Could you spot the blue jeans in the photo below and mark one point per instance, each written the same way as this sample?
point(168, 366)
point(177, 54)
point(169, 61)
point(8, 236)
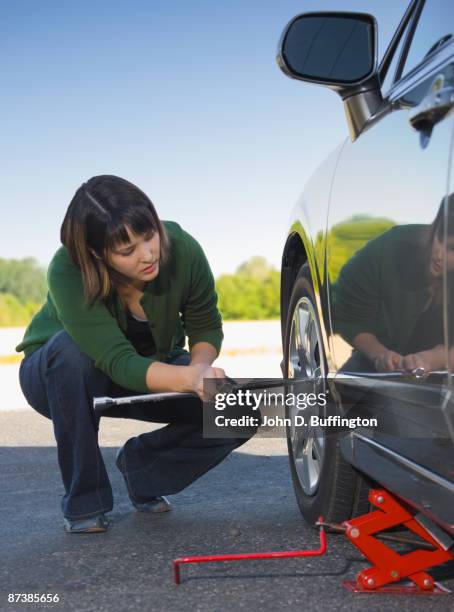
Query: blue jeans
point(59, 381)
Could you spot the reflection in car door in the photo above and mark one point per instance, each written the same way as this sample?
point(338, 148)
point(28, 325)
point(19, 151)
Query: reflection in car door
point(387, 283)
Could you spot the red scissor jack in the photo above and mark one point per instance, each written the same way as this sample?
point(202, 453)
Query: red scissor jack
point(390, 567)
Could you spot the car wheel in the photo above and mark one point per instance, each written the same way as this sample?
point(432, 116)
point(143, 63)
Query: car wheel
point(325, 484)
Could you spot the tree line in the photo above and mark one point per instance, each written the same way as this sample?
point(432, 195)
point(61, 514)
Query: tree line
point(251, 293)
point(23, 289)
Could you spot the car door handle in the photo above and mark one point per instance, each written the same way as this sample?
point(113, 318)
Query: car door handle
point(434, 107)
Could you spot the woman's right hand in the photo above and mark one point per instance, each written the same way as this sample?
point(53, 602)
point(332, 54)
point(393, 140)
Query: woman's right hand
point(384, 360)
point(197, 373)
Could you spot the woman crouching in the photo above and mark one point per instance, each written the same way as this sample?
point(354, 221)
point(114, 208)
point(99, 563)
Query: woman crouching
point(125, 290)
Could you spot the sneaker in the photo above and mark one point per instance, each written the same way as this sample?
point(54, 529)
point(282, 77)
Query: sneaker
point(92, 524)
point(154, 504)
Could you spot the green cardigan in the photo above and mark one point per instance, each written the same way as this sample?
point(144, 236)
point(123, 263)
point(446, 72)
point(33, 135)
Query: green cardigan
point(382, 289)
point(180, 301)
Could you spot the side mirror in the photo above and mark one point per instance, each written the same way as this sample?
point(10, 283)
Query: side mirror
point(330, 48)
point(338, 50)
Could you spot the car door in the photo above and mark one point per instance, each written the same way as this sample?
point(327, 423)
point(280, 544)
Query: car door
point(385, 282)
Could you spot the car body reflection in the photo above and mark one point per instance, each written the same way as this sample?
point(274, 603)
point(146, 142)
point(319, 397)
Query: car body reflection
point(368, 267)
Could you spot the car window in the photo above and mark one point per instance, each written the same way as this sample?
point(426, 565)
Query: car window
point(435, 28)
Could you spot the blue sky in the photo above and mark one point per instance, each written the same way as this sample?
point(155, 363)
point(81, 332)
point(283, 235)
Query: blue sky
point(182, 98)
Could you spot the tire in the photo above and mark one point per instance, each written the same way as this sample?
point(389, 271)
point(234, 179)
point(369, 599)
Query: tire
point(324, 483)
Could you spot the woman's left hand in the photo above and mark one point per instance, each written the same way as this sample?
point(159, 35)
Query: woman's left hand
point(430, 360)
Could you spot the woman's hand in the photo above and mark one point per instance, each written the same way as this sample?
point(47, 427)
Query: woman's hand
point(388, 361)
point(199, 371)
point(384, 359)
point(430, 360)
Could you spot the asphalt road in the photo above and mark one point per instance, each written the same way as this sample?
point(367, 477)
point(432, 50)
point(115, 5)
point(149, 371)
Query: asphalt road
point(246, 504)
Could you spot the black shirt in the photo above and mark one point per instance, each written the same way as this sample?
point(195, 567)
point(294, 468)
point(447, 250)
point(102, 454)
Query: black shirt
point(139, 334)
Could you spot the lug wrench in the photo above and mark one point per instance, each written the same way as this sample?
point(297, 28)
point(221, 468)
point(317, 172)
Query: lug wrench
point(229, 386)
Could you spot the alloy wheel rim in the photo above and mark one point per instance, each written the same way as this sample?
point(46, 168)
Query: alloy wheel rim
point(306, 361)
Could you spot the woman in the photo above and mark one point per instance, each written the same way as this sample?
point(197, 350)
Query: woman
point(124, 291)
point(388, 300)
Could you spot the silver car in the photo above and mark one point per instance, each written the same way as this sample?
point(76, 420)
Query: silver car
point(368, 265)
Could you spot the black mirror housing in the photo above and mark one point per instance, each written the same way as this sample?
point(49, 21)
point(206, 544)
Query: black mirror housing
point(337, 49)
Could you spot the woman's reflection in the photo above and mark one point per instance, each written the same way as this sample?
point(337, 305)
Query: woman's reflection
point(388, 300)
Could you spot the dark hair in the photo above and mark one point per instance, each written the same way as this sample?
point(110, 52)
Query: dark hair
point(442, 227)
point(443, 224)
point(96, 221)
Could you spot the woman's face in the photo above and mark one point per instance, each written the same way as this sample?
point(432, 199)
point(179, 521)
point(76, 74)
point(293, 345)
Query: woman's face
point(440, 254)
point(139, 258)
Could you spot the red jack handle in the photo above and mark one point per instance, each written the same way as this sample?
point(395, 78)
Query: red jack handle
point(260, 555)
